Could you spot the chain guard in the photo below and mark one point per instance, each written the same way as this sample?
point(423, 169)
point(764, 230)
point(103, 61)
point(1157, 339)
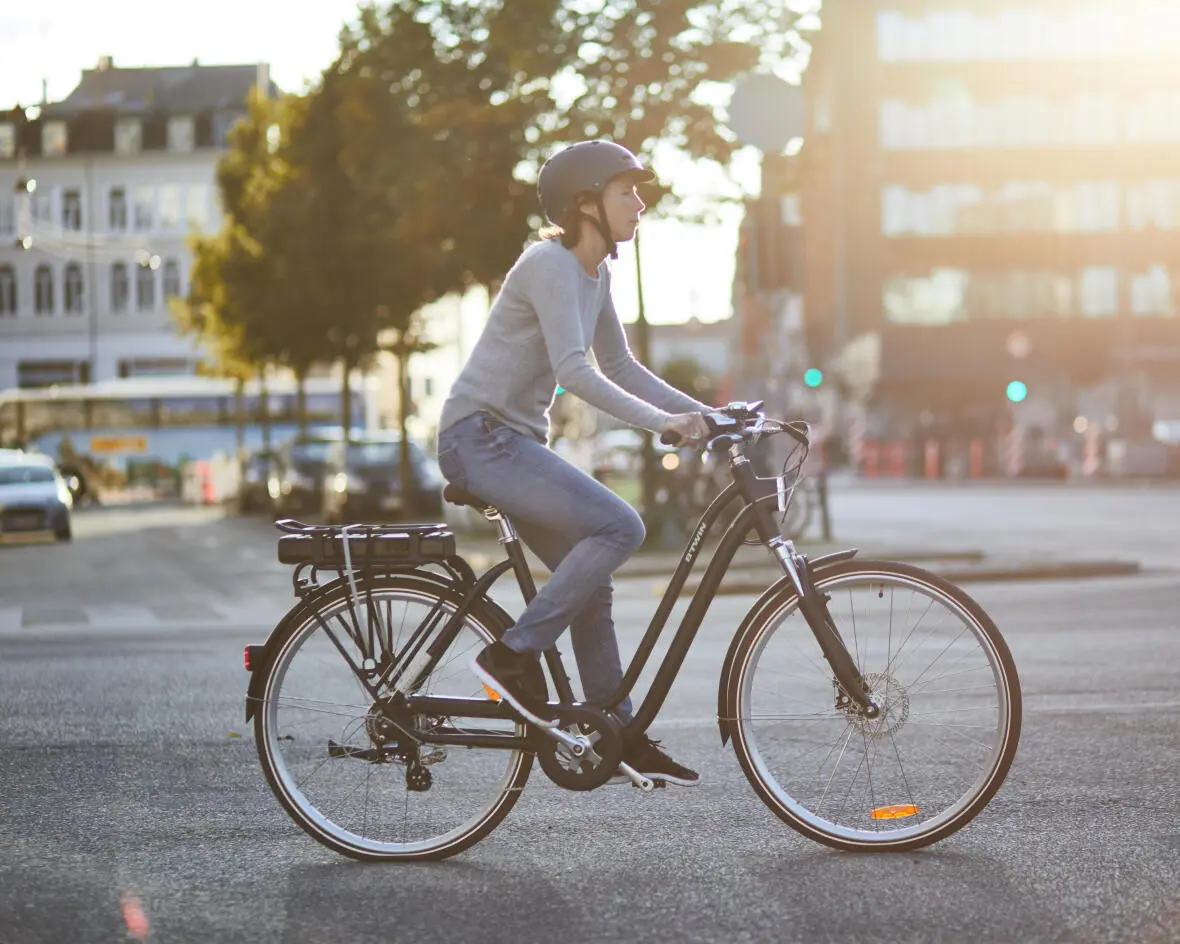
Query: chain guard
point(598, 764)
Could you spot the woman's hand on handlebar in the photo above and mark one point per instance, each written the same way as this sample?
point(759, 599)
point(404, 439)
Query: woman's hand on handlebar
point(685, 429)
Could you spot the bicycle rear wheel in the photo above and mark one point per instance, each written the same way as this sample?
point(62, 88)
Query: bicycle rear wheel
point(950, 710)
point(327, 759)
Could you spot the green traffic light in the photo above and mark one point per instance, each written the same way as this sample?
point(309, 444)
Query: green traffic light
point(1017, 391)
point(813, 377)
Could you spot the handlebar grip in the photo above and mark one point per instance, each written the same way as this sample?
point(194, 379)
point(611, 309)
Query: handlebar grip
point(670, 439)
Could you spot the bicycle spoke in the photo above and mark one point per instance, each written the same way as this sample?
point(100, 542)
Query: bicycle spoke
point(915, 766)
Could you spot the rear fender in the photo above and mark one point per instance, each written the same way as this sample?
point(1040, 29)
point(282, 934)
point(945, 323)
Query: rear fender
point(775, 595)
point(495, 617)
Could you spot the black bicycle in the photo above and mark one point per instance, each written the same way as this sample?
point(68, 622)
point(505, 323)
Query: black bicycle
point(872, 705)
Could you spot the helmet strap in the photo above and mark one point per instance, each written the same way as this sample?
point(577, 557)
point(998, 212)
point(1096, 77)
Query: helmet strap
point(612, 247)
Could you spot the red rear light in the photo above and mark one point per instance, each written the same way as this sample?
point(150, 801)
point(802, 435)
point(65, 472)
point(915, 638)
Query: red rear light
point(252, 657)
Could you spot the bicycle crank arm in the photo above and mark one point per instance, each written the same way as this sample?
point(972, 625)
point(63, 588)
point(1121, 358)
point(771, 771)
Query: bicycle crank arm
point(578, 746)
point(643, 783)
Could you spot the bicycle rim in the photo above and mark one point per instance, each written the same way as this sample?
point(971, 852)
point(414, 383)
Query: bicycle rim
point(316, 723)
point(948, 727)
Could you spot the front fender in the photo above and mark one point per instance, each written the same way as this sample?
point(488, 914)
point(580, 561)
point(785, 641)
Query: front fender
point(726, 689)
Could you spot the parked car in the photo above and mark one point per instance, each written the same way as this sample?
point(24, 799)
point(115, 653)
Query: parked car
point(300, 467)
point(363, 481)
point(259, 487)
point(34, 497)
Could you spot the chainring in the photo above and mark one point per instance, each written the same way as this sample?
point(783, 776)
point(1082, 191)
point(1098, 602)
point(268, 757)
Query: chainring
point(600, 762)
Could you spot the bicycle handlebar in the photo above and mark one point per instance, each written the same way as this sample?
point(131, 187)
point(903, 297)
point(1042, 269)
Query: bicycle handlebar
point(741, 422)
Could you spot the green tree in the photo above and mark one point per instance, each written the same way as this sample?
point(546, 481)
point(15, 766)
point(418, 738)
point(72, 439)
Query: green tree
point(416, 131)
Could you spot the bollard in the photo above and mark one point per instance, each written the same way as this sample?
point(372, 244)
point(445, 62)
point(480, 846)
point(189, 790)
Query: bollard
point(821, 496)
point(930, 457)
point(975, 470)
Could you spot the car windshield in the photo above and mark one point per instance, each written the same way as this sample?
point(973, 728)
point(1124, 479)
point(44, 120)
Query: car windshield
point(311, 451)
point(361, 455)
point(22, 474)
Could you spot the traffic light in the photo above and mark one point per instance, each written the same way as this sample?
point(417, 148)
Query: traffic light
point(1017, 391)
point(813, 377)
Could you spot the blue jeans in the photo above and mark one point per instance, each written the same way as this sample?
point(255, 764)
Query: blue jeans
point(581, 531)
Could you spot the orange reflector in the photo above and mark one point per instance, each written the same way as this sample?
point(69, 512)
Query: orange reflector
point(492, 693)
point(899, 811)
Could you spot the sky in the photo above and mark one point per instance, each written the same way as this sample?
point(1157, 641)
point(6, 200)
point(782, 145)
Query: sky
point(687, 269)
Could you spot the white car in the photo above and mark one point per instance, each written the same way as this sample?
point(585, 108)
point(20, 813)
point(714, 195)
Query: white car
point(34, 498)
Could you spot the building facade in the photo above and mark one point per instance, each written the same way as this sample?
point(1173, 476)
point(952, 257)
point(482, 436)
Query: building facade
point(991, 197)
point(99, 194)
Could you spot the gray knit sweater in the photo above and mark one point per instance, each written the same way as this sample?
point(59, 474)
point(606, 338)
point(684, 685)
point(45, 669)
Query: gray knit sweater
point(547, 317)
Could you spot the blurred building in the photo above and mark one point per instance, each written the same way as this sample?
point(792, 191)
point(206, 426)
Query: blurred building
point(98, 195)
point(991, 194)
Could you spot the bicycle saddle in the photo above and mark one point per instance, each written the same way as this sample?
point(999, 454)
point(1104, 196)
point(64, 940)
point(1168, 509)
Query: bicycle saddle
point(459, 496)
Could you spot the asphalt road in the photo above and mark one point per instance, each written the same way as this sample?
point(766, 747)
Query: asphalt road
point(134, 804)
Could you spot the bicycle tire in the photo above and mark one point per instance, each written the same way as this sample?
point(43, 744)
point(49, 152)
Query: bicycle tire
point(794, 810)
point(485, 620)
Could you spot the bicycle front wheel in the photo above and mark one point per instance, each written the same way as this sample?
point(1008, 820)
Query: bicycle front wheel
point(948, 726)
point(330, 761)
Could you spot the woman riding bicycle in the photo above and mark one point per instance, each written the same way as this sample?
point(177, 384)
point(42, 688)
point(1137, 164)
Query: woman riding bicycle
point(553, 308)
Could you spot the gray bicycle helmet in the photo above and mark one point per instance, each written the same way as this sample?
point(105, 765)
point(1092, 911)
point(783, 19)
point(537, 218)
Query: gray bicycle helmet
point(584, 167)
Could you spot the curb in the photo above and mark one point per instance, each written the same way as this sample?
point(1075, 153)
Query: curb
point(1060, 570)
point(744, 579)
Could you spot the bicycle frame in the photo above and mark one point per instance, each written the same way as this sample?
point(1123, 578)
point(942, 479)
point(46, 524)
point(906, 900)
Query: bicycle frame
point(754, 517)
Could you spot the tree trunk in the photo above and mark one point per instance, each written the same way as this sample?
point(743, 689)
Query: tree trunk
point(301, 399)
point(346, 401)
point(240, 419)
point(264, 408)
point(403, 417)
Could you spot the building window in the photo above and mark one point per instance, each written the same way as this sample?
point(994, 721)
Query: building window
point(7, 215)
point(157, 367)
point(54, 141)
point(75, 289)
point(181, 134)
point(128, 136)
point(120, 288)
point(934, 299)
point(956, 118)
point(145, 208)
point(1098, 292)
point(168, 207)
point(117, 210)
point(145, 288)
point(7, 290)
point(43, 290)
point(1018, 206)
point(7, 141)
point(1095, 31)
point(41, 206)
point(1153, 204)
point(71, 210)
point(1151, 292)
point(171, 279)
point(48, 373)
point(196, 206)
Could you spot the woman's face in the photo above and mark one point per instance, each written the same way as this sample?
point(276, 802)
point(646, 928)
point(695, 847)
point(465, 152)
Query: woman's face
point(623, 208)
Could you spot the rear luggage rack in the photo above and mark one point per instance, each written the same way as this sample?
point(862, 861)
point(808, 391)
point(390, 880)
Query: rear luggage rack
point(367, 546)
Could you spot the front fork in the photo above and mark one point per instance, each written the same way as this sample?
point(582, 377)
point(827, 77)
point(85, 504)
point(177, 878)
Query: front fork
point(850, 685)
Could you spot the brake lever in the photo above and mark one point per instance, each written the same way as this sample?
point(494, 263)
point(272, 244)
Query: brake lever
point(724, 442)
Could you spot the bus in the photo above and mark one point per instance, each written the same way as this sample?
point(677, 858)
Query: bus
point(142, 431)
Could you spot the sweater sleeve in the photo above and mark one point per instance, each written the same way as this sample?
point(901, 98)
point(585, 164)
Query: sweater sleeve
point(619, 364)
point(553, 293)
